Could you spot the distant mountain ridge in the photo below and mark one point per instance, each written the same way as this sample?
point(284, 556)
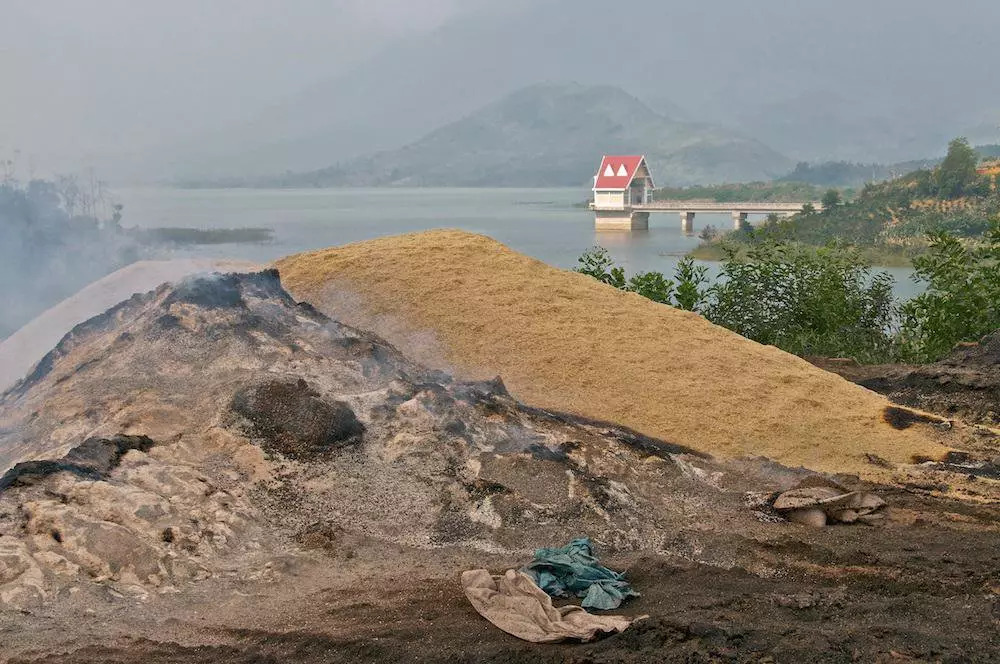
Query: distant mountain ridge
point(554, 135)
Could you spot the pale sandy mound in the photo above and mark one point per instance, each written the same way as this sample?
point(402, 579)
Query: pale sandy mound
point(20, 351)
point(563, 341)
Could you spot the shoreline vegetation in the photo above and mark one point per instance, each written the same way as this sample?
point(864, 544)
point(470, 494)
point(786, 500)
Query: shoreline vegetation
point(890, 224)
point(59, 235)
point(750, 192)
point(717, 250)
point(829, 301)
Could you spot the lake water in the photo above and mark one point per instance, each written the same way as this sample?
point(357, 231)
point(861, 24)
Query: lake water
point(539, 222)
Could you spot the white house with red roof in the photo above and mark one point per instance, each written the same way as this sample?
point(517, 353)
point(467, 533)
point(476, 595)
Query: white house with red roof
point(622, 183)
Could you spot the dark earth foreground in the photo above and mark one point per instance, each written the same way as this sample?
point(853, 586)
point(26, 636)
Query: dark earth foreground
point(965, 385)
point(311, 495)
point(924, 589)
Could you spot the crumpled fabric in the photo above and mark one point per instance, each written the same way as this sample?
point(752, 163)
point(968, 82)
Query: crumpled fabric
point(516, 605)
point(573, 569)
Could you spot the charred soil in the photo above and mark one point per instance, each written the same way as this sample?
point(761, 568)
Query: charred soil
point(920, 592)
point(214, 472)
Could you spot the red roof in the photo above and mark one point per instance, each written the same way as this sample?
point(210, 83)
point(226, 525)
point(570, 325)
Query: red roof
point(617, 172)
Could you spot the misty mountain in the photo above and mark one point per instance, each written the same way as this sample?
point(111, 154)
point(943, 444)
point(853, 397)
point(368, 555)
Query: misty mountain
point(828, 124)
point(172, 90)
point(907, 75)
point(554, 135)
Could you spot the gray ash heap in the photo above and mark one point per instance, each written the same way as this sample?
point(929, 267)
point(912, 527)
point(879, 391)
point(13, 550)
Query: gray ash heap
point(202, 429)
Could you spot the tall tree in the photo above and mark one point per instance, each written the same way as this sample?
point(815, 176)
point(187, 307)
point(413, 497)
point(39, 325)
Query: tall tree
point(831, 199)
point(958, 170)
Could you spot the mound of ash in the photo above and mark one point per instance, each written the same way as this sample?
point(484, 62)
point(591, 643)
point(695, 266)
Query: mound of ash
point(206, 430)
point(965, 385)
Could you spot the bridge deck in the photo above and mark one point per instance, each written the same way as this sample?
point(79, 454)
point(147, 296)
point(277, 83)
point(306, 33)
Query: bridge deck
point(714, 206)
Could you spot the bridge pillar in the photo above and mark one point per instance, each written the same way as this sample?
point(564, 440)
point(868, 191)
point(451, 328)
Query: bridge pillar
point(687, 223)
point(739, 218)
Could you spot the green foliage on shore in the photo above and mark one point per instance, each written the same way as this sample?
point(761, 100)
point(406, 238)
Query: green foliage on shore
point(807, 301)
point(756, 192)
point(892, 219)
point(962, 301)
point(827, 301)
point(804, 300)
point(53, 241)
point(57, 236)
point(847, 174)
point(687, 293)
point(198, 236)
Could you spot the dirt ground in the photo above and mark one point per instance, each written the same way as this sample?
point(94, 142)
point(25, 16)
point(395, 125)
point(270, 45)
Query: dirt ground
point(355, 554)
point(965, 385)
point(923, 589)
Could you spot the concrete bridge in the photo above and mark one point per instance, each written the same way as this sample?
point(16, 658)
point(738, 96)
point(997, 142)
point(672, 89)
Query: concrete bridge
point(740, 211)
point(636, 217)
point(623, 199)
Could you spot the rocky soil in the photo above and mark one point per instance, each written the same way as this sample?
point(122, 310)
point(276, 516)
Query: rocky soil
point(214, 472)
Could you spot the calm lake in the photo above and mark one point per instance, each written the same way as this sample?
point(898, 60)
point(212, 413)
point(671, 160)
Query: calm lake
point(539, 222)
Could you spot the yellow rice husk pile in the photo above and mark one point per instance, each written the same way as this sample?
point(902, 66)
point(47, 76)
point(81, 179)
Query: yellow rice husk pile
point(564, 341)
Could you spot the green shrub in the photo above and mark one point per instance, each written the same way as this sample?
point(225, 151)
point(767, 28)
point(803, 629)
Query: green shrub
point(807, 301)
point(692, 292)
point(828, 302)
point(804, 300)
point(651, 285)
point(597, 263)
point(962, 300)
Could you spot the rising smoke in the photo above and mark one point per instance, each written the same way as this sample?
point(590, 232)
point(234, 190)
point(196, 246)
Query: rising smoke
point(55, 237)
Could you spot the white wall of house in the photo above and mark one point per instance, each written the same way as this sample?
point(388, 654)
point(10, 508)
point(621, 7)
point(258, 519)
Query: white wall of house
point(609, 200)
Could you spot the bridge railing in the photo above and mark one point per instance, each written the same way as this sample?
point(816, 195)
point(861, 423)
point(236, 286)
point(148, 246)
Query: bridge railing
point(715, 206)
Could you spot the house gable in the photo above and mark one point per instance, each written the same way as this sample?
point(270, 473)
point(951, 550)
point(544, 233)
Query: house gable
point(617, 172)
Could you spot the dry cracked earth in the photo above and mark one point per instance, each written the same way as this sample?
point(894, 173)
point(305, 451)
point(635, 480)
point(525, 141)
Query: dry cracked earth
point(212, 472)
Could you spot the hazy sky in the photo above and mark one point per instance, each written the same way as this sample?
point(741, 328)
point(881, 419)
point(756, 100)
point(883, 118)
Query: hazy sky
point(83, 76)
point(221, 87)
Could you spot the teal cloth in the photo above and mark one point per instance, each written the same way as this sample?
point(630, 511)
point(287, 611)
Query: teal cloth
point(574, 569)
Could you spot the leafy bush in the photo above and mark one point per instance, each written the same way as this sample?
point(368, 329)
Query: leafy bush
point(708, 233)
point(691, 293)
point(962, 301)
point(831, 199)
point(827, 301)
point(597, 263)
point(804, 300)
point(651, 285)
point(807, 301)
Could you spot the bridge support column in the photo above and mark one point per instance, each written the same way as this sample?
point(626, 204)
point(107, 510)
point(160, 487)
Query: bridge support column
point(687, 223)
point(739, 219)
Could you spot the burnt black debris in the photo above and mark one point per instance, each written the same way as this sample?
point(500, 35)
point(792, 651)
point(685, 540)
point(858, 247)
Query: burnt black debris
point(94, 459)
point(228, 290)
point(629, 437)
point(292, 419)
point(904, 418)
